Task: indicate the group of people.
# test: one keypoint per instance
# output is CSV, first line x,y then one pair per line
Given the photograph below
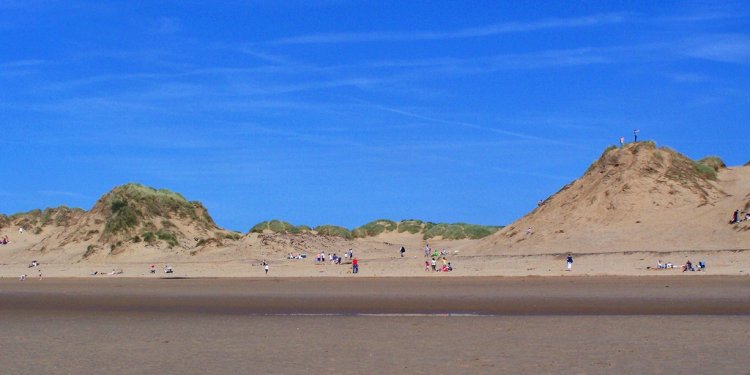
x,y
333,258
33,264
737,217
431,265
167,269
428,252
6,240
115,271
688,266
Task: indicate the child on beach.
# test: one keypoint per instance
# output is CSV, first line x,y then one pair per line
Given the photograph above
x,y
355,265
265,268
426,266
569,260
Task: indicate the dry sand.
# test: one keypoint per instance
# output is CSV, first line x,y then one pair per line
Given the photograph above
x,y
386,263
536,325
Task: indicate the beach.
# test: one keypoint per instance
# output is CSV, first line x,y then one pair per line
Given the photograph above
x,y
386,263
376,325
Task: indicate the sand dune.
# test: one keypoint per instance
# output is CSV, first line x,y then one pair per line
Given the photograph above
x,y
638,198
634,206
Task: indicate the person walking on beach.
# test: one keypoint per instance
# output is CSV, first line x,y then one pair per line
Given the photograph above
x,y
569,260
402,251
265,268
433,264
427,266
355,265
427,250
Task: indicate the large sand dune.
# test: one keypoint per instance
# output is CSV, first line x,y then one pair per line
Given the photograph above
x,y
638,198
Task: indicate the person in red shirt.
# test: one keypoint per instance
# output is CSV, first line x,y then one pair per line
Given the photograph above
x,y
355,265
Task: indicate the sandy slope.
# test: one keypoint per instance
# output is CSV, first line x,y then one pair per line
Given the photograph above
x,y
631,203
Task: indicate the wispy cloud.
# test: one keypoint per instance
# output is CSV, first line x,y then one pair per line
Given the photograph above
x,y
20,68
21,64
262,55
104,78
516,61
246,129
688,77
703,16
464,124
729,48
471,32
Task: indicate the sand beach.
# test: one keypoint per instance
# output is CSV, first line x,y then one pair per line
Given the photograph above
x,y
376,325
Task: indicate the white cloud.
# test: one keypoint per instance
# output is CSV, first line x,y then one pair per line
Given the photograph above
x,y
729,48
464,124
471,32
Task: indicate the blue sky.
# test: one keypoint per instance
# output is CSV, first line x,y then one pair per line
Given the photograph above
x,y
346,111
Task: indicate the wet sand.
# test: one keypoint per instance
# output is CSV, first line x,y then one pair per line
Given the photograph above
x,y
525,325
481,296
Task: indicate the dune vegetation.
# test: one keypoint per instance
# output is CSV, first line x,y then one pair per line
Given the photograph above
x,y
277,226
333,230
454,231
714,162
